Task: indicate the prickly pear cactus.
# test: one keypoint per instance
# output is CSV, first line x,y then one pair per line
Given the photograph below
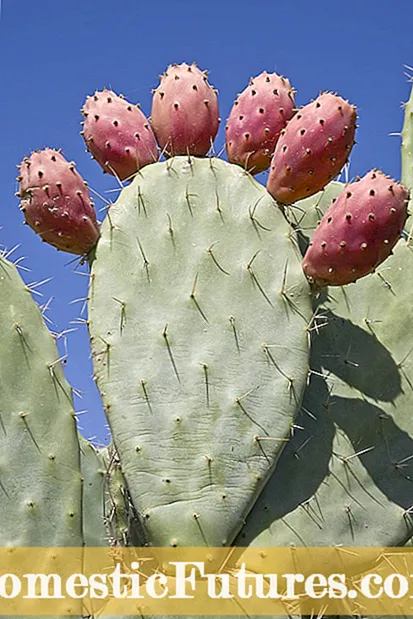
x,y
198,318
225,430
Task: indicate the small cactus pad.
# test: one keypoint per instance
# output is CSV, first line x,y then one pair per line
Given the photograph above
x,y
118,134
257,117
185,115
312,149
358,231
56,202
198,317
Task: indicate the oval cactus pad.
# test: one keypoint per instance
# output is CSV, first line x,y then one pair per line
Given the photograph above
x,y
199,313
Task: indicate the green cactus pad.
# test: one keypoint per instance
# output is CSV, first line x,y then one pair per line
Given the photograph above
x,y
40,479
198,317
349,467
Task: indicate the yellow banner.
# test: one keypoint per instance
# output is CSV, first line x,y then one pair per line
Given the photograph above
x,y
206,581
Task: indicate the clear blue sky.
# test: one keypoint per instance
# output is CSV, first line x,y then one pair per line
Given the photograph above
x,y
54,53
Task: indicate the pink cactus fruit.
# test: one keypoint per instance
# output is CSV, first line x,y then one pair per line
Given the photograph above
x,y
312,149
185,116
358,231
256,120
118,134
56,202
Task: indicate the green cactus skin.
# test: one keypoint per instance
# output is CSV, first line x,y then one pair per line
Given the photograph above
x,y
356,416
40,479
196,297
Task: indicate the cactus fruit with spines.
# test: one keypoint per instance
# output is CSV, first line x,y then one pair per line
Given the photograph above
x,y
358,231
185,115
118,134
312,149
248,406
258,116
56,202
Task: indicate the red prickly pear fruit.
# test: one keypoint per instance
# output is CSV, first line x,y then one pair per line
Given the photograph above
x,y
56,202
256,120
118,134
185,115
358,231
312,149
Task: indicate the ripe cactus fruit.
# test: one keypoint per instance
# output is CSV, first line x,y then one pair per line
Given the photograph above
x,y
56,202
312,149
118,134
185,115
358,230
257,117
